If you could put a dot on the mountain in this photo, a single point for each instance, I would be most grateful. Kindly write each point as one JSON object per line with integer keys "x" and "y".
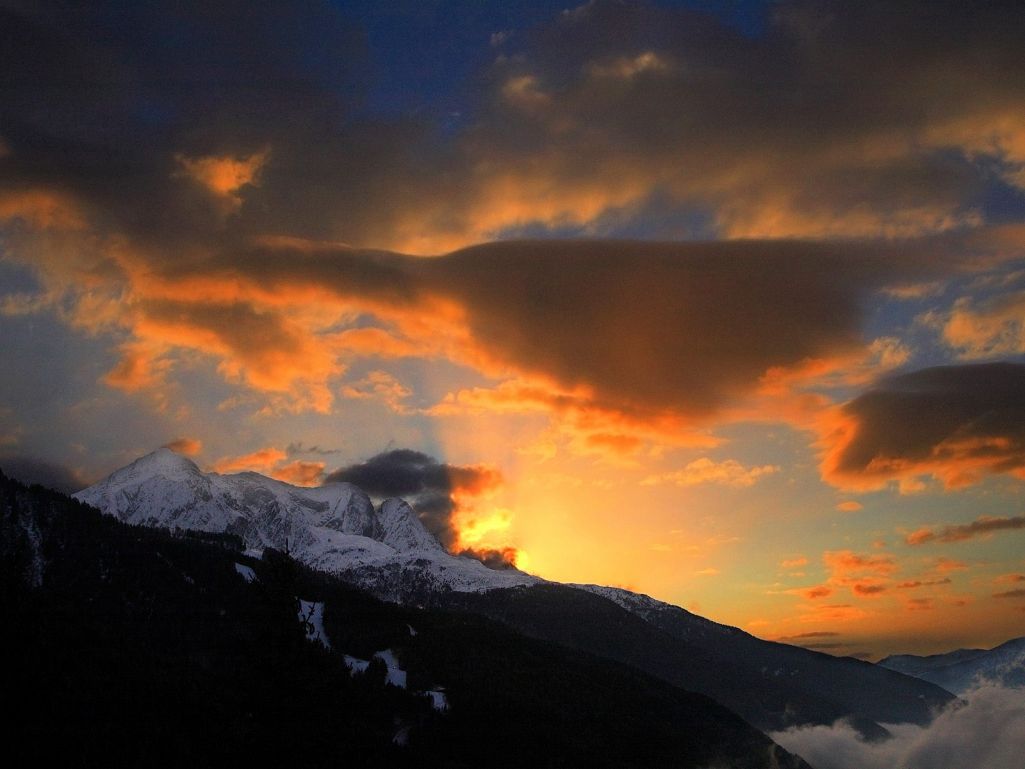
{"x": 133, "y": 646}
{"x": 387, "y": 551}
{"x": 774, "y": 686}
{"x": 332, "y": 528}
{"x": 964, "y": 669}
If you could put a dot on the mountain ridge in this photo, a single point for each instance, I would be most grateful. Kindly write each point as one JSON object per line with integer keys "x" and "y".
{"x": 963, "y": 669}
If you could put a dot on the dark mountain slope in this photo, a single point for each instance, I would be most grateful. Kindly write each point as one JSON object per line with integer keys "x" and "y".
{"x": 133, "y": 647}
{"x": 774, "y": 686}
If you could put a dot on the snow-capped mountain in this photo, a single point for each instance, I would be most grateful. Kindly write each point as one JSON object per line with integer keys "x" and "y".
{"x": 332, "y": 528}
{"x": 388, "y": 552}
{"x": 961, "y": 670}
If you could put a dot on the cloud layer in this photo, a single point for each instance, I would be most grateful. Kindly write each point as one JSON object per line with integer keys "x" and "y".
{"x": 987, "y": 729}
{"x": 189, "y": 196}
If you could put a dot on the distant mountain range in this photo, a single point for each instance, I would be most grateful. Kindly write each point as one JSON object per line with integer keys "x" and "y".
{"x": 965, "y": 669}
{"x": 387, "y": 551}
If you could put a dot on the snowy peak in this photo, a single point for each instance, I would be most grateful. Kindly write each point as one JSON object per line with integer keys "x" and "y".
{"x": 333, "y": 528}
{"x": 403, "y": 529}
{"x": 349, "y": 510}
{"x": 167, "y": 489}
{"x": 163, "y": 462}
{"x": 160, "y": 489}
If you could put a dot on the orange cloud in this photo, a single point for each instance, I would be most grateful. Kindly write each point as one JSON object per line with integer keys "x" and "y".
{"x": 704, "y": 470}
{"x": 841, "y": 612}
{"x": 224, "y": 175}
{"x": 583, "y": 422}
{"x": 260, "y": 461}
{"x": 140, "y": 367}
{"x": 849, "y": 506}
{"x": 42, "y": 207}
{"x": 846, "y": 564}
{"x": 382, "y": 386}
{"x": 266, "y": 350}
{"x": 794, "y": 563}
{"x": 866, "y": 576}
{"x": 190, "y": 447}
{"x": 300, "y": 473}
{"x": 272, "y": 462}
{"x": 1010, "y": 578}
{"x": 919, "y": 604}
{"x": 944, "y": 565}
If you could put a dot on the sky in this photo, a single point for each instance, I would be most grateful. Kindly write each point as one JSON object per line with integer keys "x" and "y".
{"x": 719, "y": 302}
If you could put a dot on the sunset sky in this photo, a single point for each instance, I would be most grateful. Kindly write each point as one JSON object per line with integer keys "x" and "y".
{"x": 719, "y": 302}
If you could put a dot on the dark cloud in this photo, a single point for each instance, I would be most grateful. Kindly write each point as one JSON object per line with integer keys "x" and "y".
{"x": 842, "y": 117}
{"x": 299, "y": 447}
{"x": 1010, "y": 594}
{"x": 429, "y": 485}
{"x": 823, "y": 646}
{"x": 396, "y": 473}
{"x": 956, "y": 423}
{"x": 656, "y": 325}
{"x": 647, "y": 326}
{"x": 883, "y": 110}
{"x": 911, "y": 584}
{"x": 103, "y": 99}
{"x": 959, "y": 533}
{"x": 804, "y": 636}
{"x": 869, "y": 589}
{"x": 31, "y": 470}
{"x": 814, "y": 640}
{"x": 499, "y": 560}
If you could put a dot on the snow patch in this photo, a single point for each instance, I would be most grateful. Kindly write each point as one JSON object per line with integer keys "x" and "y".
{"x": 355, "y": 664}
{"x": 245, "y": 572}
{"x": 439, "y": 700}
{"x": 396, "y": 675}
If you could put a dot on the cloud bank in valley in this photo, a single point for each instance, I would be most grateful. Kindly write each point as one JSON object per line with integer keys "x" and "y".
{"x": 985, "y": 729}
